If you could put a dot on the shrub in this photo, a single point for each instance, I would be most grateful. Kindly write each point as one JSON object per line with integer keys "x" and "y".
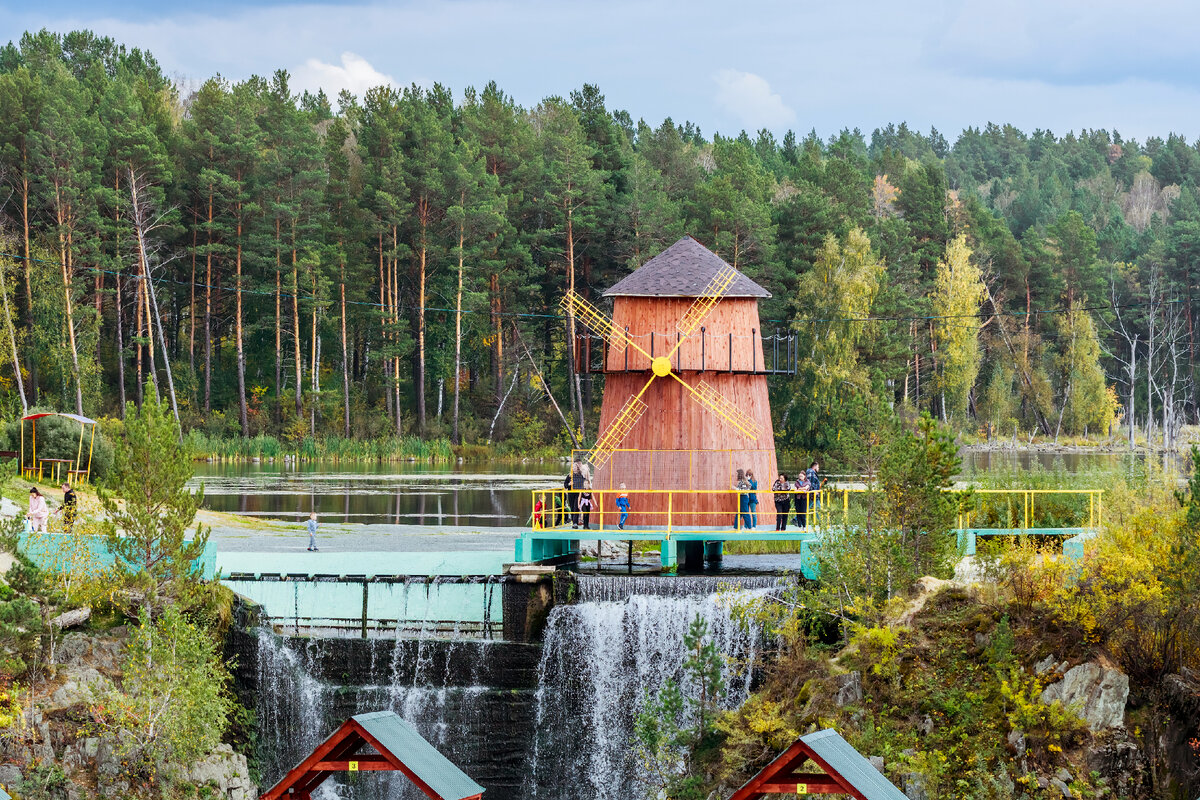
{"x": 173, "y": 704}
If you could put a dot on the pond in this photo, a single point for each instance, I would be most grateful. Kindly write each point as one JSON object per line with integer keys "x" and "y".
{"x": 481, "y": 495}
{"x": 474, "y": 495}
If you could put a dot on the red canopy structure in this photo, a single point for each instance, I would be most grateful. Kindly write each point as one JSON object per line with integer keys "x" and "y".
{"x": 77, "y": 469}
{"x": 845, "y": 772}
{"x": 396, "y": 746}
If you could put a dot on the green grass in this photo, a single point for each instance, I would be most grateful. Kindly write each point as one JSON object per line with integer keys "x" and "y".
{"x": 761, "y": 547}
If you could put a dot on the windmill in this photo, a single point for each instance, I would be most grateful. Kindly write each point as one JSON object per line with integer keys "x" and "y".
{"x": 661, "y": 367}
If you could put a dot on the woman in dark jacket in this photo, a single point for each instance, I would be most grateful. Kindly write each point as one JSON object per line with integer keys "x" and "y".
{"x": 782, "y": 501}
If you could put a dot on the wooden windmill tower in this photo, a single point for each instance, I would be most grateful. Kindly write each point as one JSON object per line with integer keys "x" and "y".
{"x": 685, "y": 397}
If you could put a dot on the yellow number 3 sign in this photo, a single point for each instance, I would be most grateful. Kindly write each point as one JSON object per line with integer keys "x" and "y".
{"x": 353, "y": 766}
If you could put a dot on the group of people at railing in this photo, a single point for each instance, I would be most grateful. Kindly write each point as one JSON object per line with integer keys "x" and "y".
{"x": 804, "y": 493}
{"x": 799, "y": 499}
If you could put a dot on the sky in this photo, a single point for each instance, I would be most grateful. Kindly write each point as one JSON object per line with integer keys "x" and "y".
{"x": 1060, "y": 65}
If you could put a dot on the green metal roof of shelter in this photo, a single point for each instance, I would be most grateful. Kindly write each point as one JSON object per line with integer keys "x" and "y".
{"x": 846, "y": 772}
{"x": 4, "y": 795}
{"x": 398, "y": 747}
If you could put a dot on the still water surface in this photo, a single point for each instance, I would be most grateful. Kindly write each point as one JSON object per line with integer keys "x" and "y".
{"x": 470, "y": 495}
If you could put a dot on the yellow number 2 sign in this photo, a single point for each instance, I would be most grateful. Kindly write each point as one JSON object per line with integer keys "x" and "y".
{"x": 801, "y": 789}
{"x": 353, "y": 766}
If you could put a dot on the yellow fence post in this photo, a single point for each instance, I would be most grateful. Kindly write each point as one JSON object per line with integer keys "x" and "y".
{"x": 846, "y": 508}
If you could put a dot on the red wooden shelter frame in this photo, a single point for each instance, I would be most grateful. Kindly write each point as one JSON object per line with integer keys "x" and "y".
{"x": 846, "y": 772}
{"x": 398, "y": 747}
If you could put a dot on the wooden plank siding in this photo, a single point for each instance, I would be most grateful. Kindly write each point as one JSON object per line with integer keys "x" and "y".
{"x": 695, "y": 449}
{"x": 660, "y": 315}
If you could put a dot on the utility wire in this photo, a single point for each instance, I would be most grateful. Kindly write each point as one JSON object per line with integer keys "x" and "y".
{"x": 809, "y": 320}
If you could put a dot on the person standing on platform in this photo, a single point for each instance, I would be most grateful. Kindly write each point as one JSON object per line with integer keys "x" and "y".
{"x": 39, "y": 512}
{"x": 623, "y": 504}
{"x": 801, "y": 488}
{"x": 585, "y": 505}
{"x": 69, "y": 507}
{"x": 783, "y": 501}
{"x": 815, "y": 484}
{"x": 743, "y": 487}
{"x": 575, "y": 483}
{"x": 753, "y": 499}
{"x": 311, "y": 525}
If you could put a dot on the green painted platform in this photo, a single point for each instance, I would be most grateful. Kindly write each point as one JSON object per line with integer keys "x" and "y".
{"x": 544, "y": 545}
{"x": 967, "y": 536}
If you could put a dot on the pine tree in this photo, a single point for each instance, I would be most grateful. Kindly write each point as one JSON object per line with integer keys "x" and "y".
{"x": 149, "y": 505}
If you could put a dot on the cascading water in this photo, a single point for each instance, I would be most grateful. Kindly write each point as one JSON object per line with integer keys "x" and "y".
{"x": 475, "y": 700}
{"x": 600, "y": 660}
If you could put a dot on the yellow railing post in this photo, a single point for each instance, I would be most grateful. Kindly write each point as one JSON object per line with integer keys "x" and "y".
{"x": 669, "y": 495}
{"x": 846, "y": 508}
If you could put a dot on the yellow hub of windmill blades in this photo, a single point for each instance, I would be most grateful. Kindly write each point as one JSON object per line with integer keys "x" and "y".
{"x": 661, "y": 366}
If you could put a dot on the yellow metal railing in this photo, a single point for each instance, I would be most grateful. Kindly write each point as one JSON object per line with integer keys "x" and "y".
{"x": 1028, "y": 516}
{"x": 659, "y": 510}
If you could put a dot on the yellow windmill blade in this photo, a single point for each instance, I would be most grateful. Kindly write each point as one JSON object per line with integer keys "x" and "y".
{"x": 617, "y": 430}
{"x": 709, "y": 297}
{"x": 595, "y": 319}
{"x": 715, "y": 402}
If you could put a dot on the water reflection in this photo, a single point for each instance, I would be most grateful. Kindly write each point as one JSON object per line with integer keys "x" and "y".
{"x": 405, "y": 494}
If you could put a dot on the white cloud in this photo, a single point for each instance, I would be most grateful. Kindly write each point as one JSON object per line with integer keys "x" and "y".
{"x": 748, "y": 97}
{"x": 355, "y": 74}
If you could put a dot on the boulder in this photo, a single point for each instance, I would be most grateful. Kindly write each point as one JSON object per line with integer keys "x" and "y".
{"x": 10, "y": 775}
{"x": 1120, "y": 761}
{"x": 1098, "y": 694}
{"x": 849, "y": 689}
{"x": 877, "y": 763}
{"x": 227, "y": 771}
{"x": 1062, "y": 788}
{"x": 83, "y": 685}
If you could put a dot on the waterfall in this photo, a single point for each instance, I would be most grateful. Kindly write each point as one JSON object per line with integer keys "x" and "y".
{"x": 618, "y": 587}
{"x": 529, "y": 722}
{"x": 601, "y": 658}
{"x": 307, "y": 687}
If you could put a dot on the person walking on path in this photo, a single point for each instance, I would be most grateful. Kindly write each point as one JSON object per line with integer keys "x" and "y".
{"x": 742, "y": 486}
{"x": 623, "y": 504}
{"x": 69, "y": 507}
{"x": 311, "y": 525}
{"x": 39, "y": 512}
{"x": 783, "y": 501}
{"x": 750, "y": 479}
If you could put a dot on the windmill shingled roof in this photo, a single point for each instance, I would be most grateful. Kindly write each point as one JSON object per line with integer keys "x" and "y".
{"x": 682, "y": 270}
{"x": 402, "y": 740}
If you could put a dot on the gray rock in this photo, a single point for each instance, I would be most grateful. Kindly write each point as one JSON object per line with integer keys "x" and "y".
{"x": 1017, "y": 740}
{"x": 914, "y": 786}
{"x": 925, "y": 726}
{"x": 90, "y": 747}
{"x": 1097, "y": 693}
{"x": 83, "y": 685}
{"x": 877, "y": 763}
{"x": 1062, "y": 787}
{"x": 10, "y": 775}
{"x": 1045, "y": 665}
{"x": 1063, "y": 775}
{"x": 1042, "y": 782}
{"x": 849, "y": 689}
{"x": 227, "y": 771}
{"x": 982, "y": 640}
{"x": 1120, "y": 762}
